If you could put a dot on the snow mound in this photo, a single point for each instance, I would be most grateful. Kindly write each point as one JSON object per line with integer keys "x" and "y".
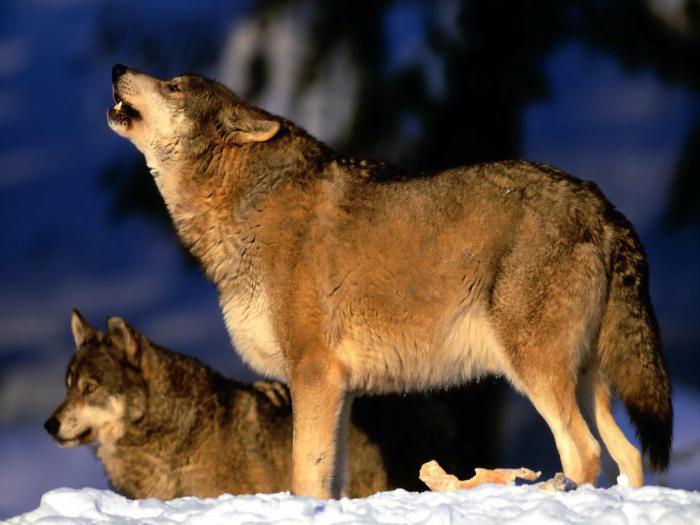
{"x": 489, "y": 504}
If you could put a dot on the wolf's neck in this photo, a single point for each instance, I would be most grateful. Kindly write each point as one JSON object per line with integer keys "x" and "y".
{"x": 157, "y": 457}
{"x": 143, "y": 462}
{"x": 213, "y": 204}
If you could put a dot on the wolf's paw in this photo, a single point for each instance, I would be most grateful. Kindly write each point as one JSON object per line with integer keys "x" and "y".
{"x": 277, "y": 393}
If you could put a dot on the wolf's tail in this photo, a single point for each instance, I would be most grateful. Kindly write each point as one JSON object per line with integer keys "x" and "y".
{"x": 630, "y": 346}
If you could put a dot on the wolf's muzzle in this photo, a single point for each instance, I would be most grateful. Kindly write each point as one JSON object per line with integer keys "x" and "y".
{"x": 122, "y": 112}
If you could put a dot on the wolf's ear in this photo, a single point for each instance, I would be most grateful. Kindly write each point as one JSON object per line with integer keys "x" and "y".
{"x": 82, "y": 330}
{"x": 246, "y": 129}
{"x": 120, "y": 333}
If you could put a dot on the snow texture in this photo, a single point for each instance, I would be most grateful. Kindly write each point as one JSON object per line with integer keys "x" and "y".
{"x": 488, "y": 504}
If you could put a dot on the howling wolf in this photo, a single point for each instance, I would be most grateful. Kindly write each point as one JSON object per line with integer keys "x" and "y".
{"x": 343, "y": 277}
{"x": 165, "y": 425}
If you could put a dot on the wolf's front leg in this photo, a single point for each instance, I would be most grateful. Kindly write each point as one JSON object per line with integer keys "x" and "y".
{"x": 320, "y": 404}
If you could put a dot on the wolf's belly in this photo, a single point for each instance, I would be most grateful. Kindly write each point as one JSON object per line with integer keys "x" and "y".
{"x": 250, "y": 327}
{"x": 402, "y": 359}
{"x": 407, "y": 359}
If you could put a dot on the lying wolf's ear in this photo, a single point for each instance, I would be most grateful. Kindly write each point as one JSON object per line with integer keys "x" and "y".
{"x": 120, "y": 333}
{"x": 246, "y": 129}
{"x": 82, "y": 330}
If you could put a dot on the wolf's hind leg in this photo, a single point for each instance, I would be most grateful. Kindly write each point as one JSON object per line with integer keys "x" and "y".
{"x": 578, "y": 450}
{"x": 585, "y": 394}
{"x": 547, "y": 306}
{"x": 594, "y": 398}
{"x": 627, "y": 457}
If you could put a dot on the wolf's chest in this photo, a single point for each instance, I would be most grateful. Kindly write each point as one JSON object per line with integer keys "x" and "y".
{"x": 137, "y": 472}
{"x": 250, "y": 325}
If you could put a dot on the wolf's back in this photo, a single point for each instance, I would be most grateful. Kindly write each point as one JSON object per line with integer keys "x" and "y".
{"x": 630, "y": 345}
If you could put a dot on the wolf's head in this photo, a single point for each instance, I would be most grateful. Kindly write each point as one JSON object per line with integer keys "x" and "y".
{"x": 105, "y": 388}
{"x": 180, "y": 118}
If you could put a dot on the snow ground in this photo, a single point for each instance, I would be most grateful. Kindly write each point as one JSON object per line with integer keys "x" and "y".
{"x": 489, "y": 504}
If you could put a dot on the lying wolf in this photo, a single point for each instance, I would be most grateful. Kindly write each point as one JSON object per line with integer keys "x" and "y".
{"x": 165, "y": 425}
{"x": 342, "y": 277}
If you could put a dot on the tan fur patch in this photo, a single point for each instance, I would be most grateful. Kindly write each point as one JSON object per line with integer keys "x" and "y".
{"x": 249, "y": 324}
{"x": 466, "y": 349}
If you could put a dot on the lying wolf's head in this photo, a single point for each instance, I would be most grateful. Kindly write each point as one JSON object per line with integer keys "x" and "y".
{"x": 105, "y": 389}
{"x": 183, "y": 116}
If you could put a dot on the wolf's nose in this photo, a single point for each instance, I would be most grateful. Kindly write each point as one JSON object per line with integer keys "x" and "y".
{"x": 117, "y": 71}
{"x": 52, "y": 426}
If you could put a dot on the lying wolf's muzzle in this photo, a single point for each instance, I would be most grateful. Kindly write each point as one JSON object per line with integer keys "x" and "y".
{"x": 52, "y": 425}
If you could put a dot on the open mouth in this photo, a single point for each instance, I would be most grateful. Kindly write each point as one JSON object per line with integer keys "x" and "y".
{"x": 122, "y": 112}
{"x": 80, "y": 439}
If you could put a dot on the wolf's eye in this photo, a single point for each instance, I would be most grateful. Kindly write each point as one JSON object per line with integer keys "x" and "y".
{"x": 173, "y": 88}
{"x": 89, "y": 388}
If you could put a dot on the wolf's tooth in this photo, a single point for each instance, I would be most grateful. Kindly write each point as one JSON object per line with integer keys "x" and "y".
{"x": 118, "y": 106}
